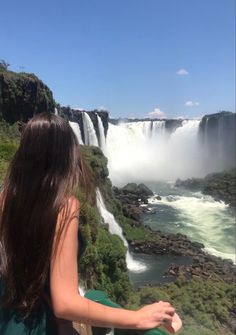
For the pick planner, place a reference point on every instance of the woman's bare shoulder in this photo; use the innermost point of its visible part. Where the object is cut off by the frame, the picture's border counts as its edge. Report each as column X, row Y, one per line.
column 74, row 205
column 74, row 201
column 69, row 213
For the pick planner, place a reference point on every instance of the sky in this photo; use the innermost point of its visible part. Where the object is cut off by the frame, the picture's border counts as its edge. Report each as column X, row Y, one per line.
column 134, row 58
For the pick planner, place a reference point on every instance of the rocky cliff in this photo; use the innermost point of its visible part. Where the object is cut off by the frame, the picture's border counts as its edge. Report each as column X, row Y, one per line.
column 22, row 95
column 217, row 136
column 221, row 186
column 76, row 115
column 203, row 293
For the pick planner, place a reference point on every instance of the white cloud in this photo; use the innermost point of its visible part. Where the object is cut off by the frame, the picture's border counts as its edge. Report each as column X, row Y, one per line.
column 157, row 113
column 182, row 72
column 79, row 109
column 101, row 108
column 191, row 103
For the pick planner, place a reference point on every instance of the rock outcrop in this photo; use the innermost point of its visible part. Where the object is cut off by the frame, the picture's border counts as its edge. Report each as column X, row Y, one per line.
column 217, row 138
column 76, row 115
column 221, row 186
column 134, row 200
column 203, row 264
column 22, row 95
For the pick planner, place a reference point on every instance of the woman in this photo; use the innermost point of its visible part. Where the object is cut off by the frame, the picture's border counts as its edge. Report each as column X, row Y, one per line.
column 39, row 239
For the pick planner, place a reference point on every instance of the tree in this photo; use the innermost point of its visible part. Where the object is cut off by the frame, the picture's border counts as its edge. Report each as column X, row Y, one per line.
column 4, row 65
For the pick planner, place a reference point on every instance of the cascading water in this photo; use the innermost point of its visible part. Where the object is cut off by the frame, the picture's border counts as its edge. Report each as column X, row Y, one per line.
column 102, row 139
column 115, row 229
column 137, row 154
column 146, row 127
column 158, row 128
column 77, row 132
column 56, row 111
column 90, row 136
column 196, row 215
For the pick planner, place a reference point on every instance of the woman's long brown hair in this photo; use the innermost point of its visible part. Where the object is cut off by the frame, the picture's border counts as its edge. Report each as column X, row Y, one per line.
column 42, row 176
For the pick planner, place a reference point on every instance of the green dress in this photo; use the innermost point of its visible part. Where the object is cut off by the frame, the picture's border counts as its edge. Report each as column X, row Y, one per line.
column 42, row 323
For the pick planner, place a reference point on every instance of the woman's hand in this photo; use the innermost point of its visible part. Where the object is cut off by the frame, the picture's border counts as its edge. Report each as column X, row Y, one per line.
column 155, row 315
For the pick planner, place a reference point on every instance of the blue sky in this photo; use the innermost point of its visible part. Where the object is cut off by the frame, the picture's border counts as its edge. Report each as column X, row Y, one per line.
column 133, row 57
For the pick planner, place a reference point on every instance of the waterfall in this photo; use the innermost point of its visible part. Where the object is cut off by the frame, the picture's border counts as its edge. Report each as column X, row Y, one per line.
column 56, row 111
column 77, row 132
column 102, row 138
column 90, row 136
column 158, row 128
column 146, row 128
column 115, row 229
column 142, row 128
column 220, row 137
column 135, row 151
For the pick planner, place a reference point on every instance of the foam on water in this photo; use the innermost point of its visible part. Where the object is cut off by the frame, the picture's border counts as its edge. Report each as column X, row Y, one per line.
column 224, row 255
column 203, row 219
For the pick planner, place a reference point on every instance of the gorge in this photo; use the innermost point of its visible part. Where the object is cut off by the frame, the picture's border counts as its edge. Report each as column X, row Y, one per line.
column 143, row 149
column 155, row 152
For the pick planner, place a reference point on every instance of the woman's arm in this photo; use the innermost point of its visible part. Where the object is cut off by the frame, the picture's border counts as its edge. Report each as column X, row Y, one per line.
column 68, row 304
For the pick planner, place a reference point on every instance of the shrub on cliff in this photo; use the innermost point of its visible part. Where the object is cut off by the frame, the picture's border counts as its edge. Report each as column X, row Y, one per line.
column 9, row 139
column 219, row 185
column 206, row 307
column 22, row 95
column 103, row 265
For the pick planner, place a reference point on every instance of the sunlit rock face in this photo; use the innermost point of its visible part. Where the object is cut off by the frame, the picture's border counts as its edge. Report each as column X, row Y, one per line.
column 217, row 137
column 93, row 125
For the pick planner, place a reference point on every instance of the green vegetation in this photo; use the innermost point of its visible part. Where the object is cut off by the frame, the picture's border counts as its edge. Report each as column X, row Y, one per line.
column 22, row 95
column 220, row 185
column 9, row 140
column 103, row 264
column 207, row 307
column 98, row 164
column 4, row 65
